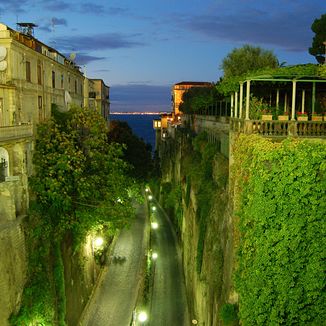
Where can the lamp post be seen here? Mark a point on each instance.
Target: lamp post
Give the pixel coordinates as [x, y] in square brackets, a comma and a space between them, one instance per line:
[142, 317]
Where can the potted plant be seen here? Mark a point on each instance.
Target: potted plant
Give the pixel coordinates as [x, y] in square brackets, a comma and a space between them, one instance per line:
[284, 116]
[266, 114]
[316, 117]
[302, 116]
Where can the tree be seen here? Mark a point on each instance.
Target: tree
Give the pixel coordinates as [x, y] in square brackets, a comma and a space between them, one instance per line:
[247, 59]
[196, 98]
[79, 176]
[136, 152]
[318, 46]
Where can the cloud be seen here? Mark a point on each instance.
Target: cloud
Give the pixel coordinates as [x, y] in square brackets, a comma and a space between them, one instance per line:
[89, 7]
[15, 6]
[96, 42]
[54, 5]
[140, 97]
[287, 27]
[59, 21]
[54, 21]
[83, 58]
[117, 11]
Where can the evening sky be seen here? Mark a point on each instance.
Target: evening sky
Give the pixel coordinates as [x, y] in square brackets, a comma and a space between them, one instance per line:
[141, 48]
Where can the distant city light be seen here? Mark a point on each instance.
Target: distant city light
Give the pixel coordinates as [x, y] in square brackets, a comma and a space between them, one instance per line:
[154, 225]
[142, 316]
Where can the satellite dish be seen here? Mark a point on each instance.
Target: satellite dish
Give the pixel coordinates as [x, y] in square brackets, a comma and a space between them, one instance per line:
[72, 56]
[3, 65]
[3, 53]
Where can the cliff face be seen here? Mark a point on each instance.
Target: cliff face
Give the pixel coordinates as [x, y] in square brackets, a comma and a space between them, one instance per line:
[12, 269]
[202, 214]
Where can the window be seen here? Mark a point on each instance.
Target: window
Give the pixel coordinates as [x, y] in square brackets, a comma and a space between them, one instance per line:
[69, 88]
[28, 71]
[39, 74]
[1, 112]
[40, 108]
[62, 81]
[53, 79]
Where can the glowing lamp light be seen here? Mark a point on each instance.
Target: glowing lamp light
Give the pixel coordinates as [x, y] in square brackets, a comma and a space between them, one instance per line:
[147, 190]
[98, 242]
[154, 208]
[150, 197]
[154, 255]
[154, 225]
[142, 317]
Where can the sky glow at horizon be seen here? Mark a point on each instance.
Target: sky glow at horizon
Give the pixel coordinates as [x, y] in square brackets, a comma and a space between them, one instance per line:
[141, 48]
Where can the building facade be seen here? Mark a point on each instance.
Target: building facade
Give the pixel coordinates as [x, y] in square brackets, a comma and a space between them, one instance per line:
[101, 94]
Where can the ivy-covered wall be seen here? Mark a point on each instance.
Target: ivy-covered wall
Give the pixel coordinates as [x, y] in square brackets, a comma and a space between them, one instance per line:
[252, 242]
[280, 212]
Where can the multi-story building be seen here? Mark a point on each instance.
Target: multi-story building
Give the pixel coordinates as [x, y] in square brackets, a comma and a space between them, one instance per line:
[33, 78]
[102, 97]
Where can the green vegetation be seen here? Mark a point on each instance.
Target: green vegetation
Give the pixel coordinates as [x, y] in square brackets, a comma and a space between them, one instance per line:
[231, 84]
[281, 259]
[317, 48]
[228, 313]
[198, 98]
[198, 167]
[241, 61]
[80, 185]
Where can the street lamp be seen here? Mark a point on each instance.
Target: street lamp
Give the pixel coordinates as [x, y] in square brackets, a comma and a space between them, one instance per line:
[98, 242]
[154, 255]
[154, 225]
[142, 316]
[154, 208]
[150, 197]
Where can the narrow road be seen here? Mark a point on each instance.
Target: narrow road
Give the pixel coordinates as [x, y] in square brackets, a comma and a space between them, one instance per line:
[115, 298]
[168, 305]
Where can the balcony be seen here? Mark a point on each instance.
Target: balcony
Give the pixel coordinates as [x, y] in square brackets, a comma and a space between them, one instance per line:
[16, 132]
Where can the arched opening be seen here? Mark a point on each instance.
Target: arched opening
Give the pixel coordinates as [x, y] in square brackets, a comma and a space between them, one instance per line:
[4, 164]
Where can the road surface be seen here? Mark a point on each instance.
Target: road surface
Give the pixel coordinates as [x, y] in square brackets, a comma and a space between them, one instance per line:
[115, 298]
[168, 306]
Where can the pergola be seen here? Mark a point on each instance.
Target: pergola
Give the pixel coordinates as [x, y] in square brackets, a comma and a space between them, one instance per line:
[238, 96]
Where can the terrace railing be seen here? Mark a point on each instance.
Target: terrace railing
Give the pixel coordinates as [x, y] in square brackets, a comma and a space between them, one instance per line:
[275, 128]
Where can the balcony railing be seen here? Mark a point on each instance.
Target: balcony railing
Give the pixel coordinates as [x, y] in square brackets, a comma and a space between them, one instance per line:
[16, 132]
[277, 128]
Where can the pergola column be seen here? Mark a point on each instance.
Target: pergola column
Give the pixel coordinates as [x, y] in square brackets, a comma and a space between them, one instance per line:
[303, 100]
[236, 105]
[294, 86]
[247, 99]
[277, 99]
[241, 99]
[313, 100]
[232, 108]
[285, 102]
